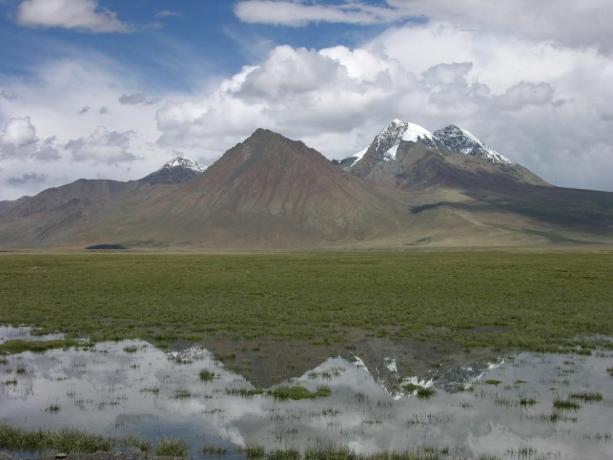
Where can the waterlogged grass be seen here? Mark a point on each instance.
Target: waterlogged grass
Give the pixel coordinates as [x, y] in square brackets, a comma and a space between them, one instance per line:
[282, 393]
[69, 441]
[336, 453]
[566, 404]
[586, 396]
[534, 300]
[169, 447]
[206, 376]
[296, 393]
[36, 346]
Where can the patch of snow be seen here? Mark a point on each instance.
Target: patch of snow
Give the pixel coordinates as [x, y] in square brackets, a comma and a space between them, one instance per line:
[414, 133]
[391, 153]
[390, 364]
[182, 162]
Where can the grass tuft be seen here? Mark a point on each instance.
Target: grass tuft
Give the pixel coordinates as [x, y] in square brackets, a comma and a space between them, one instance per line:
[169, 447]
[206, 376]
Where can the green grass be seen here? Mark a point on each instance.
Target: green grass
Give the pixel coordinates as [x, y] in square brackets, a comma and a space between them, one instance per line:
[532, 300]
[168, 447]
[527, 402]
[493, 382]
[282, 393]
[586, 396]
[425, 393]
[36, 346]
[296, 393]
[566, 404]
[212, 451]
[182, 393]
[206, 376]
[69, 441]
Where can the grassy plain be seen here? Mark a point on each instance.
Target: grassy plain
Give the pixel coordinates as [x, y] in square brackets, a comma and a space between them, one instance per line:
[468, 299]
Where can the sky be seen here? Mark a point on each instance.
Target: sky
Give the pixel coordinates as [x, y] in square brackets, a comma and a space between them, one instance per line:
[114, 88]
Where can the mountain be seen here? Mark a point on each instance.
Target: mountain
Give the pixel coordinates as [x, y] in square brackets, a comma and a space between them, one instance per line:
[266, 192]
[459, 140]
[53, 215]
[407, 155]
[409, 188]
[176, 171]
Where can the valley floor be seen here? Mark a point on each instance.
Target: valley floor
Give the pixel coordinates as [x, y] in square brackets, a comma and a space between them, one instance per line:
[273, 316]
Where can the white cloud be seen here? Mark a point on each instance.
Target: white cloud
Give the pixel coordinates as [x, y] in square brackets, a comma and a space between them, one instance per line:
[524, 94]
[69, 14]
[102, 146]
[537, 102]
[19, 132]
[18, 140]
[296, 13]
[569, 22]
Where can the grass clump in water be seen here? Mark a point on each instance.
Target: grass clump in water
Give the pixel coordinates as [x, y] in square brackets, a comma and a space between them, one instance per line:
[610, 371]
[425, 393]
[206, 376]
[493, 382]
[566, 404]
[527, 402]
[15, 346]
[168, 447]
[587, 396]
[296, 393]
[254, 452]
[182, 393]
[69, 441]
[212, 451]
[131, 349]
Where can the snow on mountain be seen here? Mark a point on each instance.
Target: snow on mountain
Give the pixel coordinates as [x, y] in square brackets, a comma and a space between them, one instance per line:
[451, 137]
[461, 141]
[176, 171]
[185, 163]
[387, 141]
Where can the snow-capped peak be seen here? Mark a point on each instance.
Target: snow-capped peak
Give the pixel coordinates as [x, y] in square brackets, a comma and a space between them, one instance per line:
[461, 141]
[185, 163]
[415, 133]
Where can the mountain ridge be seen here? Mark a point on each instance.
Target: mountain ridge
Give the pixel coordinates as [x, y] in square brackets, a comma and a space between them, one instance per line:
[273, 193]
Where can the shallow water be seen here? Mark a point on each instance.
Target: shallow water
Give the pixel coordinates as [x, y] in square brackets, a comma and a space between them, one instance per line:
[113, 391]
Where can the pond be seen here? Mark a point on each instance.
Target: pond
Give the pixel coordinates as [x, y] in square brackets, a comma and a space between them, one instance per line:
[505, 409]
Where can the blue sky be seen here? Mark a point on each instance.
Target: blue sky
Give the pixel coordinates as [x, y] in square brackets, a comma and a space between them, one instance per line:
[114, 88]
[206, 33]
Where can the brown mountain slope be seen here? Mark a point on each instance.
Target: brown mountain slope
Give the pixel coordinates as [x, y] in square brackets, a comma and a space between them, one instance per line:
[266, 192]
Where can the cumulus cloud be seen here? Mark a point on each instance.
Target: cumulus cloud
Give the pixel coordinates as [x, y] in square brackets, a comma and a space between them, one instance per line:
[18, 140]
[524, 94]
[504, 89]
[69, 14]
[297, 13]
[102, 146]
[19, 132]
